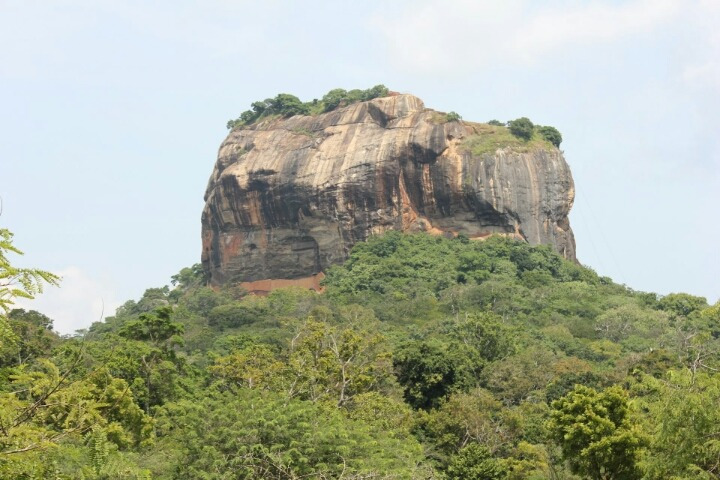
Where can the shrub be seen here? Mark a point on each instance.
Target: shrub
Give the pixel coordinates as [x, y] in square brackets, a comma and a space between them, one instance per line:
[521, 128]
[453, 117]
[551, 134]
[333, 99]
[377, 91]
[339, 97]
[496, 123]
[288, 105]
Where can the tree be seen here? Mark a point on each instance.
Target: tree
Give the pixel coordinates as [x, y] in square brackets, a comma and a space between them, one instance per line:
[474, 462]
[255, 434]
[453, 117]
[466, 418]
[377, 91]
[430, 370]
[236, 314]
[334, 363]
[485, 332]
[189, 277]
[157, 328]
[18, 282]
[551, 134]
[33, 336]
[685, 418]
[323, 363]
[46, 407]
[522, 128]
[259, 108]
[287, 105]
[255, 366]
[711, 317]
[159, 361]
[521, 376]
[152, 298]
[19, 407]
[333, 99]
[339, 97]
[595, 433]
[681, 304]
[619, 322]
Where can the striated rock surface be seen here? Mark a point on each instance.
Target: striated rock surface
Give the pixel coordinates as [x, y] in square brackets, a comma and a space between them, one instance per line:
[289, 197]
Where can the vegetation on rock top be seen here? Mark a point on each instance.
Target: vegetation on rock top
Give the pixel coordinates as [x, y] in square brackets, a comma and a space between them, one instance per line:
[520, 135]
[286, 105]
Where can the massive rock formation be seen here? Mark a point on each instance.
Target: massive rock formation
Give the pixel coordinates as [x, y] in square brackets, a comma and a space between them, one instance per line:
[289, 197]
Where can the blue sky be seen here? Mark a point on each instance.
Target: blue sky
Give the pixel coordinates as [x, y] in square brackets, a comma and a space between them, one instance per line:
[113, 111]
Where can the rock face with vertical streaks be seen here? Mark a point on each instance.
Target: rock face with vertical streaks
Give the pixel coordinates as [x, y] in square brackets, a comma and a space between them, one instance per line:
[289, 197]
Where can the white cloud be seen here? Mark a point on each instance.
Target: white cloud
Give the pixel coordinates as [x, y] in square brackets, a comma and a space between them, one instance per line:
[467, 35]
[703, 74]
[78, 302]
[437, 35]
[593, 22]
[703, 67]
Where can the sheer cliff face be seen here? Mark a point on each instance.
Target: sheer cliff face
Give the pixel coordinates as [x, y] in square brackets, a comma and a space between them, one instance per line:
[290, 197]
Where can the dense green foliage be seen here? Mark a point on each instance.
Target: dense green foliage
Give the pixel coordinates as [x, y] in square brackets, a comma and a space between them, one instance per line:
[551, 134]
[596, 436]
[522, 128]
[452, 117]
[425, 357]
[339, 97]
[286, 105]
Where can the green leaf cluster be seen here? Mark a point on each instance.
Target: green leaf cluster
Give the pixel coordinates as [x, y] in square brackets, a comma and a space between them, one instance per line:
[595, 434]
[16, 282]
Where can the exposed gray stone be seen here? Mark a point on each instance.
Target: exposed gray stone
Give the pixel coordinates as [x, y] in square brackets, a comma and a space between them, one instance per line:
[289, 197]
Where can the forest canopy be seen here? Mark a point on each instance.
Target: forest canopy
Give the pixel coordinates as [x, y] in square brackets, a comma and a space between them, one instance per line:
[424, 357]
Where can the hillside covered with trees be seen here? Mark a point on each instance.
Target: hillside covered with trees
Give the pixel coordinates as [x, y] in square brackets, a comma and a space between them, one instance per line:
[424, 357]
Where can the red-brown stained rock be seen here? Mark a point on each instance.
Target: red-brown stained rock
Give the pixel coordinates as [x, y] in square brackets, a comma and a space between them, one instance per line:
[289, 197]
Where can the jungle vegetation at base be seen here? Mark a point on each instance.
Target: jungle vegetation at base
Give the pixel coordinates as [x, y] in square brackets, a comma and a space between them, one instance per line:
[424, 357]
